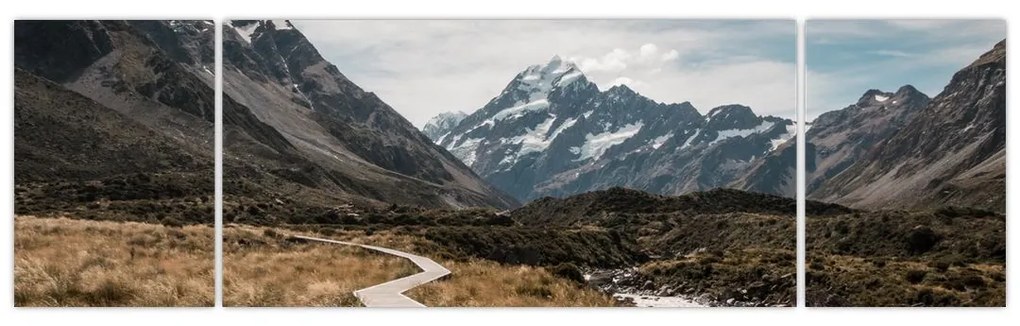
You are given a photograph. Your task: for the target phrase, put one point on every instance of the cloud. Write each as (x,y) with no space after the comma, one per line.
(425,67)
(647,57)
(847,57)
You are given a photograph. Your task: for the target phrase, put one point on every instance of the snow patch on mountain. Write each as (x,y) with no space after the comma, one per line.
(791,130)
(659,141)
(881,98)
(247,30)
(281,24)
(534,140)
(520,110)
(691,139)
(730,133)
(568,78)
(467,150)
(563,126)
(596,145)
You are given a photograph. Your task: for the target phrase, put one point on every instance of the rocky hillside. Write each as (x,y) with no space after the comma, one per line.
(301,131)
(902,150)
(117,117)
(843,137)
(552,132)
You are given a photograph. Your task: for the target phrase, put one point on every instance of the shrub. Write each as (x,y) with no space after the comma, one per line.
(940,265)
(920,239)
(816,265)
(172,222)
(974,281)
(916,276)
(879,262)
(568,271)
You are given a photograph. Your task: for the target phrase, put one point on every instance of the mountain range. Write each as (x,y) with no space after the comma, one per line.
(552,132)
(906,150)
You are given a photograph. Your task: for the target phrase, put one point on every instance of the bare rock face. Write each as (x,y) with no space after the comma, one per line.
(950,150)
(552,132)
(303,128)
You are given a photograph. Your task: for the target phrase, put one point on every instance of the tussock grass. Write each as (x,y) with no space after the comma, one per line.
(838,280)
(81,263)
(264,268)
(939,258)
(483,283)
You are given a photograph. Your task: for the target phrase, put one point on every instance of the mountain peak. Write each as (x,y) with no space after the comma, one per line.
(556,67)
(621,90)
(729,110)
(996,54)
(873,96)
(908,92)
(732,116)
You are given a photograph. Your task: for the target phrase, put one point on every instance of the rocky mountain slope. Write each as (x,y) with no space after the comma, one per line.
(116,115)
(552,132)
(300,130)
(902,150)
(843,137)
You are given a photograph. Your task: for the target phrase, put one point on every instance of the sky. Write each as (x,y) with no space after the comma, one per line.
(845,58)
(425,67)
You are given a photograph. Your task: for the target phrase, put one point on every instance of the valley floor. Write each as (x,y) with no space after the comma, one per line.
(71,262)
(265,267)
(946,257)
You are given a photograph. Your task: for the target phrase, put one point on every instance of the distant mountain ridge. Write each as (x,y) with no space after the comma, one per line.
(552,132)
(903,150)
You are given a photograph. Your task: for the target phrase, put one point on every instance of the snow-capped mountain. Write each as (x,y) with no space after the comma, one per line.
(551,131)
(441,124)
(903,150)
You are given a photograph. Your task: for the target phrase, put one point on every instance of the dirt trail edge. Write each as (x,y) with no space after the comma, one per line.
(390,294)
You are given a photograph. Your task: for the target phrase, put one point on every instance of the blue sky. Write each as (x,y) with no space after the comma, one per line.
(425,67)
(845,58)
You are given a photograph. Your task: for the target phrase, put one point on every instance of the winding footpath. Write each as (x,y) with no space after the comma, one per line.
(391,294)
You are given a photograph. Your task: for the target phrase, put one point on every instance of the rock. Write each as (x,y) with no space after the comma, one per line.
(600,278)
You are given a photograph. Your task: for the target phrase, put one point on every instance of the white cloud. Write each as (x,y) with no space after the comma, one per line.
(425,67)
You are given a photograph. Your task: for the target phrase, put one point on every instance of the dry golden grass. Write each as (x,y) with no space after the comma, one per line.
(481,283)
(262,268)
(76,263)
